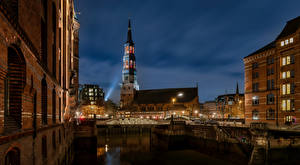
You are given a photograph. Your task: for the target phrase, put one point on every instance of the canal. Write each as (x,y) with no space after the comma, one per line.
(136,147)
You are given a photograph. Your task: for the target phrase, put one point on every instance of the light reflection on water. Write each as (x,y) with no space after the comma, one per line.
(111,148)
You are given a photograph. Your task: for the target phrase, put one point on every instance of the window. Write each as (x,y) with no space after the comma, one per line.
(255,75)
(287,60)
(283,75)
(270,99)
(255,115)
(15,87)
(292,58)
(292,73)
(270,114)
(13,157)
(288,105)
(287,89)
(287,41)
(270,84)
(283,89)
(254,65)
(255,100)
(292,88)
(270,60)
(270,71)
(283,61)
(255,87)
(289,120)
(283,105)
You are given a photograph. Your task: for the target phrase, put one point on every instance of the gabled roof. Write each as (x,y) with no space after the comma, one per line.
(266,47)
(165,96)
(291,27)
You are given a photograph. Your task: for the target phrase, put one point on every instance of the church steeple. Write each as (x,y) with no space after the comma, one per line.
(129,35)
(129,78)
(237,88)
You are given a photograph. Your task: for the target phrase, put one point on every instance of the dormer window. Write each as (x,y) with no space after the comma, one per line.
(287,41)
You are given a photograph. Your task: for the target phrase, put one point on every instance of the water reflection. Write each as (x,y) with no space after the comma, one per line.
(112,149)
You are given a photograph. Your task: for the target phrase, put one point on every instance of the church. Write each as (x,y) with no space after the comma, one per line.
(154,103)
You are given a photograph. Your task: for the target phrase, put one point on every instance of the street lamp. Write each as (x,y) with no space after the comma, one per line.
(180,94)
(173,100)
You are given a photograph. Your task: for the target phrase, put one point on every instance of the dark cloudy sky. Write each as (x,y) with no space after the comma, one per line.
(178,42)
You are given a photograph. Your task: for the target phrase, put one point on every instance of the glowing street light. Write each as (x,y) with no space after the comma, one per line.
(173,100)
(180,94)
(196,111)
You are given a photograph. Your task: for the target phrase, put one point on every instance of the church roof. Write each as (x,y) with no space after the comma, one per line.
(165,96)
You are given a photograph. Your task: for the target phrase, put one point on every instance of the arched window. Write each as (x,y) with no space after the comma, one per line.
(44,101)
(270,99)
(13,157)
(16,84)
(255,115)
(53,106)
(270,114)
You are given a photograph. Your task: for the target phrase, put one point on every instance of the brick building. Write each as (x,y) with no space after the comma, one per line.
(209,110)
(272,78)
(37,86)
(231,106)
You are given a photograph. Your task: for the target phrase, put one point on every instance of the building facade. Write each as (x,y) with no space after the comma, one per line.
(92,101)
(209,110)
(231,106)
(272,79)
(36,65)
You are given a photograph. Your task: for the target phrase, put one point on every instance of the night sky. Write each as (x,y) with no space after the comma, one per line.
(178,42)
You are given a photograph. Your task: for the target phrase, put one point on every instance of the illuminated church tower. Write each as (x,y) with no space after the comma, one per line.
(129,81)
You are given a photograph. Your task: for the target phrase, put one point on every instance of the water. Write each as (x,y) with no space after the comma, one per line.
(133,149)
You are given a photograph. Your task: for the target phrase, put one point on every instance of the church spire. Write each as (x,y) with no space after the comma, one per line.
(129,35)
(237,88)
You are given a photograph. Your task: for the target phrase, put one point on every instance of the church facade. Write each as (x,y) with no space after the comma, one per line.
(154,103)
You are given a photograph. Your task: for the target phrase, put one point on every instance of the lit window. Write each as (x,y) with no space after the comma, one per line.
(288,74)
(286,42)
(282,43)
(288,88)
(291,40)
(283,75)
(288,60)
(255,115)
(283,89)
(288,105)
(255,100)
(283,105)
(283,61)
